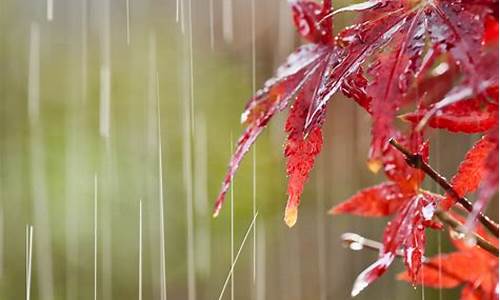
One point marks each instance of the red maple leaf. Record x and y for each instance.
(377, 201)
(490, 36)
(399, 40)
(299, 77)
(470, 115)
(472, 169)
(406, 232)
(438, 57)
(406, 30)
(464, 108)
(385, 199)
(489, 184)
(470, 266)
(413, 211)
(300, 150)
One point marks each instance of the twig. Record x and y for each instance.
(458, 227)
(356, 242)
(350, 239)
(416, 161)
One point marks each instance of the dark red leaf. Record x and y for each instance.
(392, 77)
(300, 150)
(354, 87)
(274, 97)
(311, 20)
(459, 27)
(355, 45)
(467, 116)
(433, 80)
(403, 40)
(395, 166)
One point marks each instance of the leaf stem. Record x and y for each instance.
(416, 161)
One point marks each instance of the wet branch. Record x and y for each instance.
(458, 227)
(416, 161)
(353, 240)
(359, 242)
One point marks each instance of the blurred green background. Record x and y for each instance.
(79, 95)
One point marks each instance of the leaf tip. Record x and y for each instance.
(333, 211)
(337, 210)
(358, 286)
(372, 273)
(217, 208)
(291, 216)
(374, 165)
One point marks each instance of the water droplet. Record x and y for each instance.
(428, 211)
(456, 235)
(356, 246)
(470, 240)
(403, 82)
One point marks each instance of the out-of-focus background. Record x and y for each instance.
(133, 106)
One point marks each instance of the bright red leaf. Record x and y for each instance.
(407, 232)
(471, 170)
(387, 198)
(376, 201)
(491, 31)
(489, 184)
(472, 267)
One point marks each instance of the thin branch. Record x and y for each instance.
(356, 242)
(359, 242)
(459, 227)
(416, 161)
